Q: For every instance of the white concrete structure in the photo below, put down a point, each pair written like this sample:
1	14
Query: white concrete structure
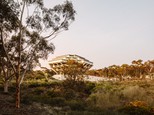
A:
58	63
87	78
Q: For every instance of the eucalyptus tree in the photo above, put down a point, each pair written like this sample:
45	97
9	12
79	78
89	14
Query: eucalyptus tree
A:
112	71
94	72
8	23
6	74
138	68
31	39
100	72
74	73
149	68
124	70
105	72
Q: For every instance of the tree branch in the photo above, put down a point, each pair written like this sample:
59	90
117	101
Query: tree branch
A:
7	56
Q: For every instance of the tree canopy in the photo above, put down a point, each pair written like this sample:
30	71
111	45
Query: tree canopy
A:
136	70
26	35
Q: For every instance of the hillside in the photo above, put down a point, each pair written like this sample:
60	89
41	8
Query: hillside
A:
47	98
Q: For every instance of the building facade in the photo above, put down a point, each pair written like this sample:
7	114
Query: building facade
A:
58	63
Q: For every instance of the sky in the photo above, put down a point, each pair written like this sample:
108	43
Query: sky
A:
108	32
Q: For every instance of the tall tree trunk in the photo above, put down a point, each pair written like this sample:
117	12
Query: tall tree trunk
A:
17	91
18	75
6	85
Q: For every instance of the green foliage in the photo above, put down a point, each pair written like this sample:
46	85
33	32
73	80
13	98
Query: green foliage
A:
134	93
39	90
137	70
113	95
69	94
102	112
73	71
34	75
137	108
43	83
107	98
76	105
44	99
22	34
36	84
54	93
94	97
77	89
75	85
57	101
8	14
89	87
130	110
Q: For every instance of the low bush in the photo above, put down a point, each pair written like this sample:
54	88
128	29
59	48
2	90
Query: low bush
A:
54	92
137	108
69	94
89	87
93	97
105	96
57	101
134	93
109	95
76	105
44	99
95	113
39	90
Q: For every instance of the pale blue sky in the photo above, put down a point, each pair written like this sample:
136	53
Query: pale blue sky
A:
108	32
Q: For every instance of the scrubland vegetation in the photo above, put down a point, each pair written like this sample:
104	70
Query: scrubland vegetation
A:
49	96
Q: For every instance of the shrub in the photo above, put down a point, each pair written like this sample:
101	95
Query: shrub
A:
39	90
69	94
74	85
54	93
44	99
56	101
108	95
34	84
137	108
89	87
105	96
104	101
134	93
130	110
76	105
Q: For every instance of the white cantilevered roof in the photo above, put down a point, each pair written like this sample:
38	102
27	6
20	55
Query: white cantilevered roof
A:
67	57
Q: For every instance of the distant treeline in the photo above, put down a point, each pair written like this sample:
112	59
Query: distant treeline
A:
136	70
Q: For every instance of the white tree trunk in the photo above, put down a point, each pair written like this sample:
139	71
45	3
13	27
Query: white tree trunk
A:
6	85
